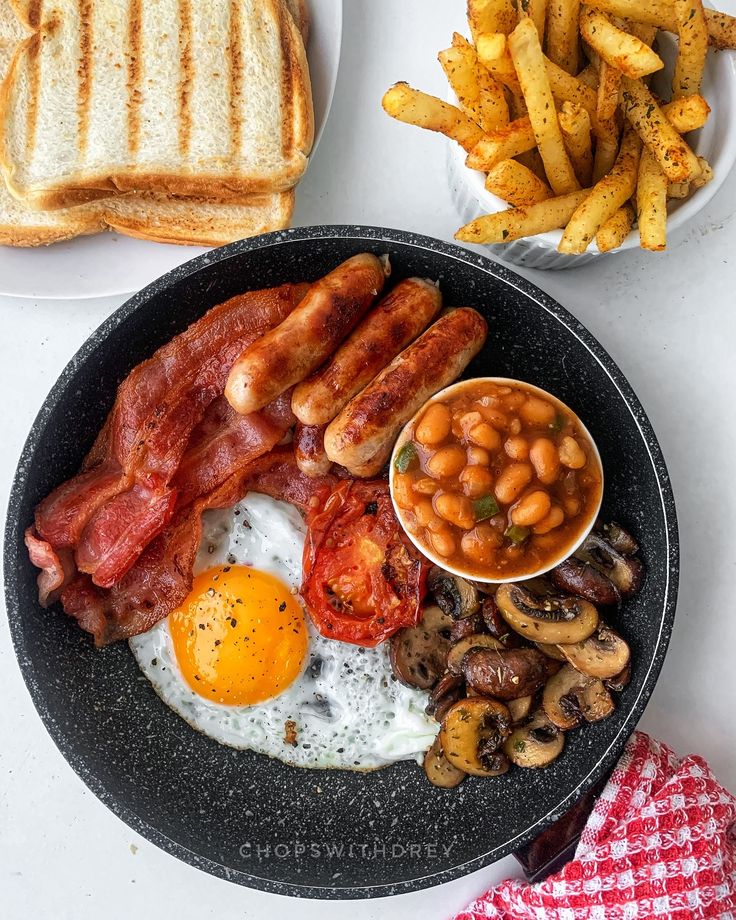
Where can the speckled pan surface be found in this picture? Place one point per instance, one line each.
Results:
(241, 816)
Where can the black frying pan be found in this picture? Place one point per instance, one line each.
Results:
(241, 816)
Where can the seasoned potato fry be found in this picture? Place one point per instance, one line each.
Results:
(606, 150)
(687, 113)
(575, 126)
(606, 197)
(620, 49)
(493, 54)
(609, 89)
(562, 34)
(615, 230)
(515, 223)
(517, 105)
(651, 203)
(654, 12)
(494, 109)
(532, 160)
(491, 16)
(516, 184)
(503, 144)
(692, 33)
(589, 75)
(459, 69)
(417, 108)
(706, 174)
(678, 189)
(721, 30)
(526, 53)
(536, 10)
(493, 46)
(675, 158)
(566, 88)
(643, 30)
(661, 13)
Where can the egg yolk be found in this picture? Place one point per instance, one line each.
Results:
(240, 636)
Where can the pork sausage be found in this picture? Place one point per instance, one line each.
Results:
(395, 322)
(287, 354)
(309, 450)
(363, 434)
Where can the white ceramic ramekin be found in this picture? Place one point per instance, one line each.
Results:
(591, 514)
(716, 141)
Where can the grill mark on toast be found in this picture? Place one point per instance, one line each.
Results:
(186, 76)
(34, 13)
(134, 75)
(287, 79)
(84, 72)
(34, 79)
(235, 51)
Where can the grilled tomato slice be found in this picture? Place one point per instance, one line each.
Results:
(362, 579)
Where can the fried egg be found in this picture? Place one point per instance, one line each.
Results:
(240, 660)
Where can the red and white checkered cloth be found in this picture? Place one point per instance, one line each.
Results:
(660, 842)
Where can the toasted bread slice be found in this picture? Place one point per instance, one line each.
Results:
(197, 99)
(149, 216)
(300, 11)
(146, 215)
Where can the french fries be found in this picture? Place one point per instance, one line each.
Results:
(526, 53)
(474, 87)
(536, 10)
(516, 184)
(675, 158)
(491, 16)
(609, 88)
(606, 197)
(651, 203)
(562, 34)
(494, 55)
(617, 48)
(692, 32)
(606, 150)
(417, 108)
(660, 13)
(494, 108)
(514, 138)
(575, 126)
(566, 88)
(653, 12)
(706, 174)
(721, 30)
(515, 223)
(687, 113)
(615, 230)
(554, 107)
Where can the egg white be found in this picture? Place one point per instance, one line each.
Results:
(349, 710)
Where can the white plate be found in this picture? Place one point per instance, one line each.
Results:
(108, 264)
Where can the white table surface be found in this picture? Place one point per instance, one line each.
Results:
(667, 319)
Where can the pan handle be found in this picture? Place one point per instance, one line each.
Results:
(555, 846)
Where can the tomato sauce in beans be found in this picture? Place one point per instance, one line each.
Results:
(497, 480)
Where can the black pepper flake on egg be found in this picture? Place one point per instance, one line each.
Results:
(226, 569)
(282, 606)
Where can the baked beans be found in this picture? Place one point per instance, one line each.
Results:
(497, 479)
